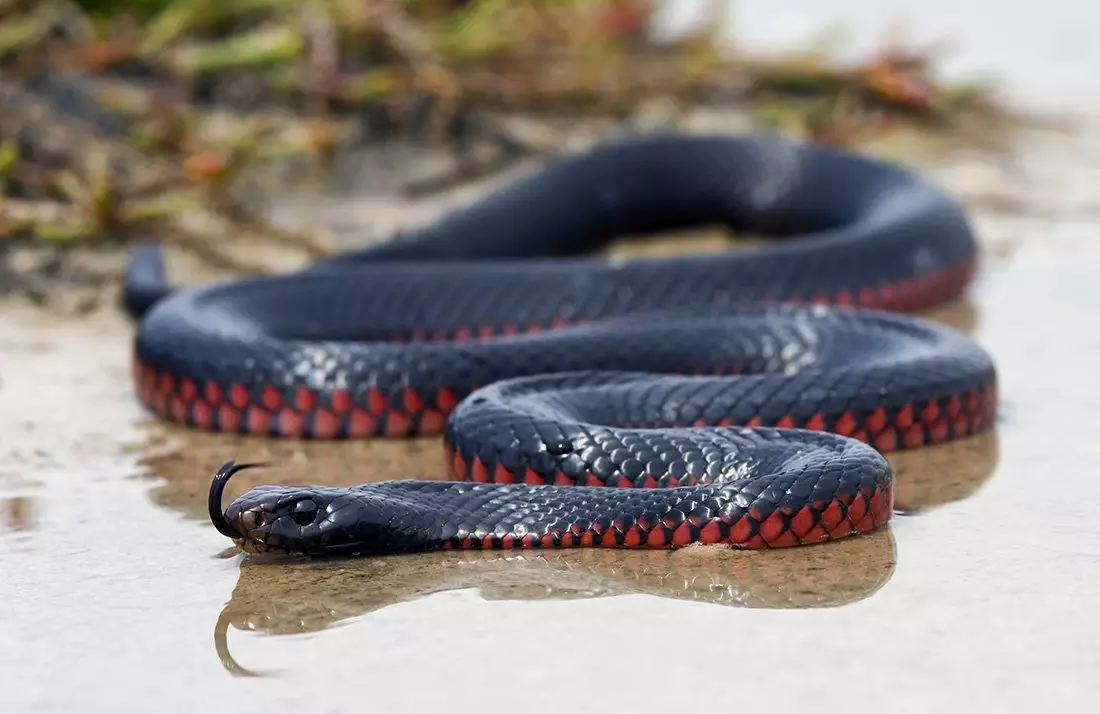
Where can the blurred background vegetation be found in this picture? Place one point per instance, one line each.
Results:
(122, 117)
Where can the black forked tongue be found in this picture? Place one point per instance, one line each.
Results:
(217, 488)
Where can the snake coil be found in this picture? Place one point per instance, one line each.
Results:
(744, 398)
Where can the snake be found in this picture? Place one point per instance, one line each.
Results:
(746, 399)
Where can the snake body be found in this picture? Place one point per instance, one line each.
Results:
(744, 398)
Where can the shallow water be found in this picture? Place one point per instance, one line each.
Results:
(118, 597)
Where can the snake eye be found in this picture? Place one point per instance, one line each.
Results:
(304, 512)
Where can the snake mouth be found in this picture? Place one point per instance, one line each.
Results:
(250, 534)
(239, 528)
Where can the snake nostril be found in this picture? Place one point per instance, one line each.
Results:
(252, 519)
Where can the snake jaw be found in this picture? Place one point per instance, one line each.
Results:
(214, 502)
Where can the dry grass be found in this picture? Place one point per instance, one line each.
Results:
(124, 117)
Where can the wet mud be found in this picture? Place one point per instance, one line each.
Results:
(976, 595)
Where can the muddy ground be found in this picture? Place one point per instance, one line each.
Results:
(119, 596)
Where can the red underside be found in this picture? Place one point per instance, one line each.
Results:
(783, 528)
(212, 406)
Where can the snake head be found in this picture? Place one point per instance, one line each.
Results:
(312, 520)
(286, 519)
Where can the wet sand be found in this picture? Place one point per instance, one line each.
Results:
(119, 597)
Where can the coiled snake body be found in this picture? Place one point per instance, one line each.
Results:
(743, 399)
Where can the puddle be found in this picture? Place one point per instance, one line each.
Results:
(118, 597)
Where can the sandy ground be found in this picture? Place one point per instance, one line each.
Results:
(975, 595)
(119, 597)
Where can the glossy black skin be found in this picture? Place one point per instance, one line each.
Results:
(846, 223)
(616, 425)
(793, 362)
(843, 224)
(770, 469)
